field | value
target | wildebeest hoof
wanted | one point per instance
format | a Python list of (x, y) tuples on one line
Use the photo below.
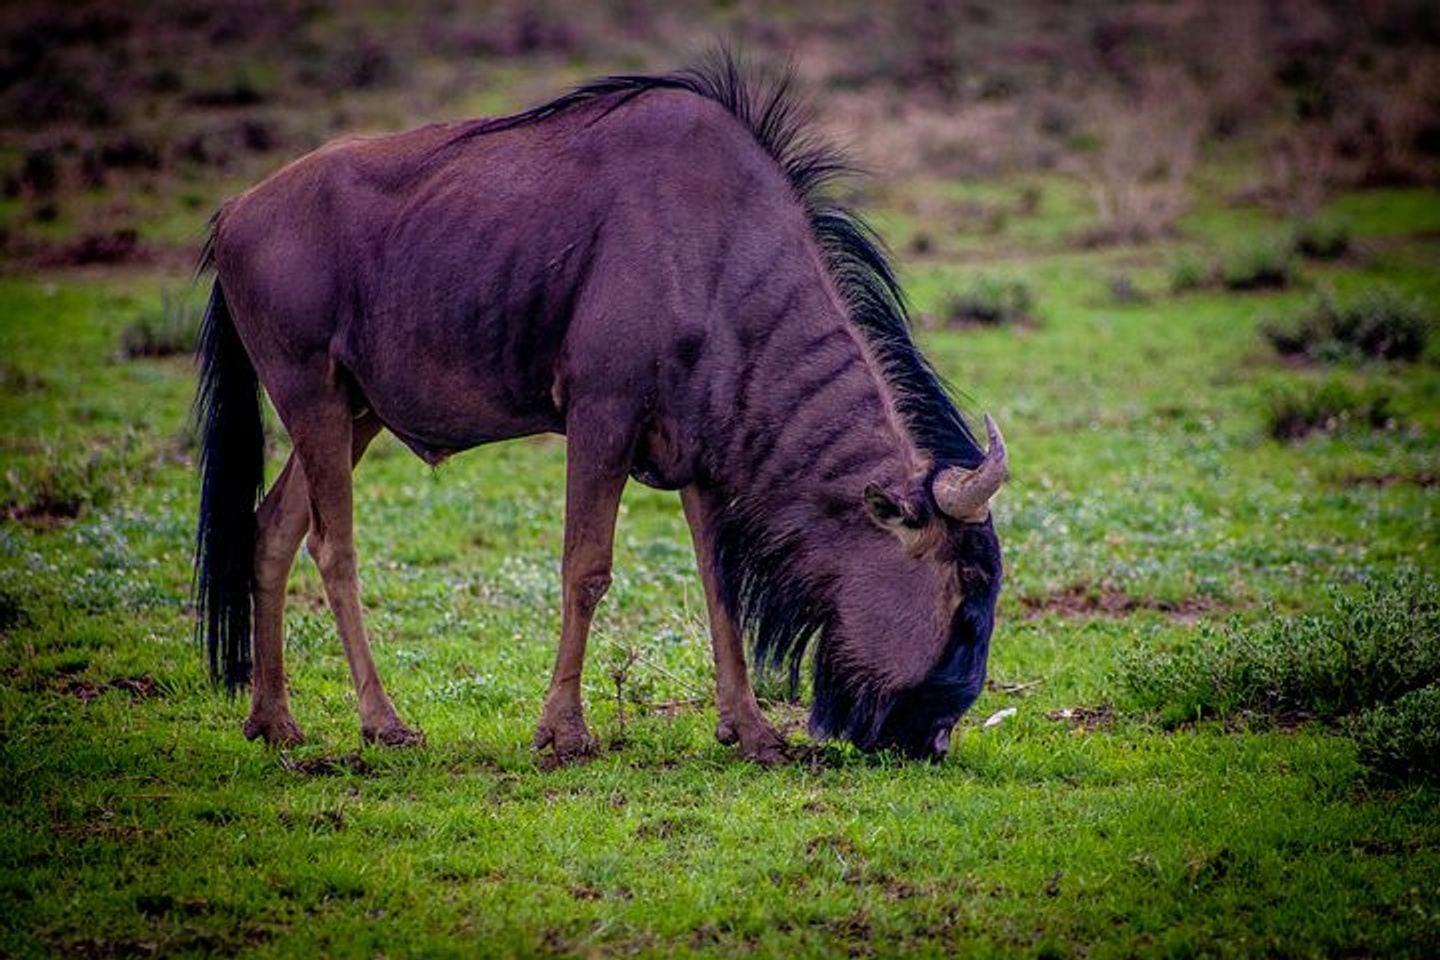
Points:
[(758, 741), (726, 733), (394, 735), (280, 730), (764, 745), (569, 742)]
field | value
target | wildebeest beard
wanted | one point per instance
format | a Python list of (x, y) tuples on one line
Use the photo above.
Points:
[(782, 607)]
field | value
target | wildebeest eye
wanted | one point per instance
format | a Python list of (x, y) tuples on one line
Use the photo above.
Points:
[(973, 579)]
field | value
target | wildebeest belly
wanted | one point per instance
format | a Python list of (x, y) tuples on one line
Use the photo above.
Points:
[(451, 382)]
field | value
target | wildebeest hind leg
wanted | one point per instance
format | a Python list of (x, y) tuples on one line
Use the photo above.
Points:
[(324, 435), (597, 462), (740, 718), (281, 521)]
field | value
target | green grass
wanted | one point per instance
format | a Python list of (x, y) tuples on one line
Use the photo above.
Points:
[(137, 820)]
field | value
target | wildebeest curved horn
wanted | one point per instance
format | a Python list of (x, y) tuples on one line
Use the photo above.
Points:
[(965, 494)]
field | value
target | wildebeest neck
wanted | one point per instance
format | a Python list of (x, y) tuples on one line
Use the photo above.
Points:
[(806, 421)]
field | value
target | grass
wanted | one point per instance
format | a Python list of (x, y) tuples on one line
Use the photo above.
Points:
[(134, 819)]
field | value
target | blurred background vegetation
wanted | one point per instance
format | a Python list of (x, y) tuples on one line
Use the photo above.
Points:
[(123, 124)]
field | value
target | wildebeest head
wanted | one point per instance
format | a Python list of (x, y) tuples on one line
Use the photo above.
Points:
[(905, 654)]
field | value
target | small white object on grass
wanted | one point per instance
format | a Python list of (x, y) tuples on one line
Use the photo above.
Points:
[(996, 718)]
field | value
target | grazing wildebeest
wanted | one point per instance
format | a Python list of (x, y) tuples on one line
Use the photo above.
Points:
[(653, 267)]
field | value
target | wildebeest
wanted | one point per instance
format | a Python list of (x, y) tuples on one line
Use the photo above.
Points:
[(657, 268)]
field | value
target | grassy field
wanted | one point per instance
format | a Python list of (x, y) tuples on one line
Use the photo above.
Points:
[(1186, 501), (1149, 502)]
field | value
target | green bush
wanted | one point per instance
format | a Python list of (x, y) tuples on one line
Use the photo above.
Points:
[(65, 479), (1401, 740), (1378, 324), (1296, 409), (1124, 292), (1258, 266), (1190, 272), (1321, 239), (168, 328), (990, 302), (1370, 648)]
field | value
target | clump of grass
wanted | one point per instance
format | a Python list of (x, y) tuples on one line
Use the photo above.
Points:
[(1321, 239), (990, 302), (1124, 291), (1190, 272), (1401, 740), (1295, 410), (1379, 324), (1261, 265), (166, 329), (1369, 649), (64, 480), (59, 488)]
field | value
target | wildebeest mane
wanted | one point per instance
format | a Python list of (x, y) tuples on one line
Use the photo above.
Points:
[(774, 600), (854, 252)]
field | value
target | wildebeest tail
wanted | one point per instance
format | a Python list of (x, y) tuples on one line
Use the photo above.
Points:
[(232, 475)]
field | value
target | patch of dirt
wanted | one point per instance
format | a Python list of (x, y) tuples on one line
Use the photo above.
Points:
[(108, 247), (1254, 721), (15, 380), (1085, 719), (142, 687), (1380, 847), (186, 941), (1081, 600), (45, 514), (1424, 478), (326, 766)]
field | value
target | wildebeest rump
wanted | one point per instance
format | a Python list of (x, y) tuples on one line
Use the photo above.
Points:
[(654, 267)]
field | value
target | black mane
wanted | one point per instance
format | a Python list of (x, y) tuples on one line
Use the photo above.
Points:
[(775, 601), (854, 252)]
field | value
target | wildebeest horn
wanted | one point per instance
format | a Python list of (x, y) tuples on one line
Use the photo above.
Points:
[(965, 494)]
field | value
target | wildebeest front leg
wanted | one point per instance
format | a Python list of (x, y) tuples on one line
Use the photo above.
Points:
[(323, 433), (597, 462), (281, 521), (740, 718)]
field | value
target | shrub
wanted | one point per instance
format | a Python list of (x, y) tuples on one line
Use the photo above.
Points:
[(1190, 272), (1258, 266), (1401, 740), (1139, 174), (1296, 410), (169, 328), (1379, 324), (989, 301), (1322, 239), (1124, 292), (1368, 649), (66, 479)]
